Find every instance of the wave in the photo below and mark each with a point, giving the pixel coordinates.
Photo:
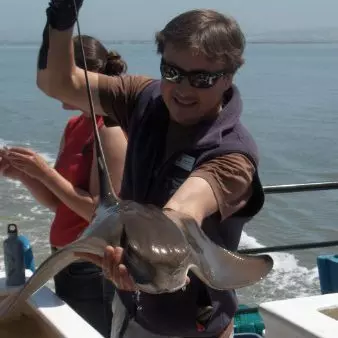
(48, 157)
(287, 279)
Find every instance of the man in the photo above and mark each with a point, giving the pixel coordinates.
(187, 152)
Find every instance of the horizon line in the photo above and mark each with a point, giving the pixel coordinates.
(140, 41)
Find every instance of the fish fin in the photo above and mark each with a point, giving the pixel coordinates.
(222, 269)
(227, 270)
(6, 305)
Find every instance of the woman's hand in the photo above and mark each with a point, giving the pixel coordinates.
(27, 161)
(7, 170)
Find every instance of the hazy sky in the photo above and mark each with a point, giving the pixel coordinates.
(139, 19)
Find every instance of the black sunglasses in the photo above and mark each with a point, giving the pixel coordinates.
(197, 78)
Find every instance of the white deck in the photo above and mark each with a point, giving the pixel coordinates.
(301, 317)
(308, 317)
(57, 314)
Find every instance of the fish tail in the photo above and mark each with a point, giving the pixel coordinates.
(9, 308)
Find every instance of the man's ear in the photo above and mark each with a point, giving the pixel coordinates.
(228, 81)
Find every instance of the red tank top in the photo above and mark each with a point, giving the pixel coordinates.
(74, 164)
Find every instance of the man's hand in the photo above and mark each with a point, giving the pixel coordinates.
(112, 267)
(62, 14)
(112, 262)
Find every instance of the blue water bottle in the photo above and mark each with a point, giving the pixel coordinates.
(28, 253)
(14, 257)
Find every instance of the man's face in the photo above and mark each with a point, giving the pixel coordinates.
(192, 86)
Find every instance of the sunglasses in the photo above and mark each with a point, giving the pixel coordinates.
(197, 79)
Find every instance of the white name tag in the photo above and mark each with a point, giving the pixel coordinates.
(186, 162)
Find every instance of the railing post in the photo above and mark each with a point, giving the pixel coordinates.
(328, 273)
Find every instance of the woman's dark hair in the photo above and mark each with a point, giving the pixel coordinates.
(98, 58)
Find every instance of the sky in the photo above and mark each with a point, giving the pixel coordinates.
(23, 20)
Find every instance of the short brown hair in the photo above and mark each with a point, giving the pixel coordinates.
(214, 35)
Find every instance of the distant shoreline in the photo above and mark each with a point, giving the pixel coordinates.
(142, 42)
(291, 42)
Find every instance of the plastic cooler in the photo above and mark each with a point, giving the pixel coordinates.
(248, 323)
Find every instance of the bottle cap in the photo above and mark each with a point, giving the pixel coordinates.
(12, 228)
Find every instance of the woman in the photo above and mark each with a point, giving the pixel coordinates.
(71, 189)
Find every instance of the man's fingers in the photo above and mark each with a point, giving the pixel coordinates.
(118, 253)
(109, 263)
(125, 280)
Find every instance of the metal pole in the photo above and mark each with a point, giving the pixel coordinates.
(300, 246)
(288, 188)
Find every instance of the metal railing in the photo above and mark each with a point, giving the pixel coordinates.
(291, 188)
(284, 189)
(288, 188)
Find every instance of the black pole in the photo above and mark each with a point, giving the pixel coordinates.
(300, 246)
(288, 188)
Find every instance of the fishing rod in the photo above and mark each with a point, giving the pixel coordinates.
(289, 188)
(105, 184)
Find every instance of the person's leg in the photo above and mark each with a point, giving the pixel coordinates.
(108, 295)
(82, 287)
(124, 328)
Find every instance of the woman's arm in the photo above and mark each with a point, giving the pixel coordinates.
(83, 203)
(36, 168)
(76, 199)
(39, 192)
(37, 189)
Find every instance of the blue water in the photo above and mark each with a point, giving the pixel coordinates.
(290, 95)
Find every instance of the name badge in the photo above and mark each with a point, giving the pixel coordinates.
(186, 162)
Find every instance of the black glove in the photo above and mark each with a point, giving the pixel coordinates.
(43, 52)
(62, 14)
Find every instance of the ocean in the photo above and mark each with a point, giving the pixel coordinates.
(290, 97)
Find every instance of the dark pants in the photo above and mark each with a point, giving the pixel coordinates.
(134, 330)
(82, 286)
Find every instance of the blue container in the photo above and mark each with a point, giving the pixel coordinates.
(328, 273)
(28, 253)
(14, 257)
(247, 335)
(250, 322)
